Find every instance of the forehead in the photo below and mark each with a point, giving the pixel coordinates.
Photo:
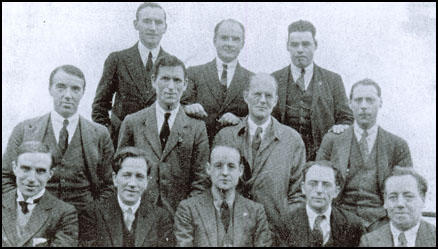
(230, 28)
(262, 85)
(320, 173)
(134, 165)
(65, 78)
(151, 13)
(176, 71)
(301, 36)
(365, 90)
(35, 160)
(401, 184)
(225, 154)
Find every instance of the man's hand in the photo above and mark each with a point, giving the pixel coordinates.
(195, 110)
(337, 129)
(228, 119)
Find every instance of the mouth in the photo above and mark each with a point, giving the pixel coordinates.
(30, 188)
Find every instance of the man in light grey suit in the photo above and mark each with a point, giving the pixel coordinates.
(405, 193)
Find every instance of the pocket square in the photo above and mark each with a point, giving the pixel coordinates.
(37, 241)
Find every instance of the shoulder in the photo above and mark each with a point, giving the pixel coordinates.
(378, 233)
(280, 72)
(198, 68)
(93, 125)
(250, 203)
(349, 219)
(31, 121)
(133, 117)
(428, 227)
(245, 71)
(392, 137)
(285, 131)
(58, 204)
(326, 74)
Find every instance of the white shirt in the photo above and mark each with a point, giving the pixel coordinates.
(159, 112)
(125, 207)
(231, 68)
(253, 128)
(144, 53)
(58, 121)
(325, 223)
(218, 199)
(371, 138)
(411, 234)
(296, 73)
(30, 200)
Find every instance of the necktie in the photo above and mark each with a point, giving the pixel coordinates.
(317, 231)
(165, 130)
(63, 137)
(300, 80)
(25, 205)
(364, 145)
(257, 139)
(225, 215)
(149, 63)
(129, 218)
(224, 75)
(402, 242)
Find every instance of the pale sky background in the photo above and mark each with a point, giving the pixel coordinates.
(391, 43)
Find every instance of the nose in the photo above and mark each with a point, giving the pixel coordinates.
(401, 202)
(68, 93)
(300, 48)
(132, 182)
(31, 177)
(171, 85)
(225, 170)
(263, 98)
(319, 188)
(152, 26)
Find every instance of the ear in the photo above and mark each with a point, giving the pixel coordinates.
(302, 188)
(51, 172)
(14, 167)
(208, 168)
(114, 178)
(337, 191)
(241, 170)
(135, 23)
(245, 96)
(380, 102)
(316, 44)
(154, 84)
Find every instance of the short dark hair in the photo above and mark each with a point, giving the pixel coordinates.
(404, 171)
(339, 180)
(35, 147)
(301, 26)
(216, 28)
(227, 145)
(366, 82)
(167, 61)
(130, 151)
(261, 76)
(150, 5)
(69, 69)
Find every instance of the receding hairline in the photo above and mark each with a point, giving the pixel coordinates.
(216, 147)
(262, 77)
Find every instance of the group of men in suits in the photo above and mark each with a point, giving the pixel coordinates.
(253, 189)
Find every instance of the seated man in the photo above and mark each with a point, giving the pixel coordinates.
(221, 216)
(32, 216)
(318, 223)
(404, 195)
(126, 219)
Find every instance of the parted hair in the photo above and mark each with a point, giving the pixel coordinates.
(301, 26)
(150, 5)
(167, 61)
(366, 82)
(34, 147)
(130, 151)
(404, 171)
(216, 28)
(69, 69)
(339, 180)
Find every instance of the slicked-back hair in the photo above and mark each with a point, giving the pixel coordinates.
(69, 69)
(150, 5)
(34, 147)
(404, 171)
(226, 145)
(168, 61)
(216, 28)
(261, 77)
(366, 82)
(132, 152)
(339, 180)
(301, 26)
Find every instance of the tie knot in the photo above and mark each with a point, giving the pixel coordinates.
(224, 205)
(319, 219)
(303, 71)
(365, 133)
(129, 211)
(402, 242)
(65, 123)
(225, 66)
(166, 116)
(259, 131)
(150, 56)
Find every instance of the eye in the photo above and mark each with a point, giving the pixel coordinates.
(236, 38)
(140, 176)
(293, 44)
(41, 171)
(25, 168)
(306, 44)
(158, 22)
(60, 86)
(231, 166)
(165, 78)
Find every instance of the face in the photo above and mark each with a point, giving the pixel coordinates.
(301, 47)
(131, 180)
(169, 85)
(320, 187)
(151, 25)
(224, 168)
(32, 171)
(365, 104)
(403, 201)
(261, 99)
(67, 91)
(228, 41)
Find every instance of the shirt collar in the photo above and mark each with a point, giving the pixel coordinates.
(230, 65)
(297, 71)
(410, 234)
(161, 111)
(358, 131)
(253, 126)
(144, 52)
(311, 214)
(30, 199)
(60, 119)
(125, 207)
(218, 198)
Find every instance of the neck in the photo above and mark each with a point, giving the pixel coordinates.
(168, 107)
(224, 193)
(259, 121)
(149, 46)
(319, 210)
(366, 126)
(65, 115)
(404, 228)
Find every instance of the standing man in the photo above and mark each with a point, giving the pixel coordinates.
(82, 150)
(405, 194)
(221, 216)
(274, 153)
(127, 73)
(318, 223)
(365, 154)
(215, 89)
(31, 216)
(176, 144)
(312, 100)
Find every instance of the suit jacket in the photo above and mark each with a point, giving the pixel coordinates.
(51, 219)
(153, 226)
(276, 175)
(195, 224)
(205, 88)
(178, 170)
(345, 229)
(329, 101)
(96, 146)
(382, 237)
(125, 76)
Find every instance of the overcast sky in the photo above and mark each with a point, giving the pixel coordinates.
(391, 43)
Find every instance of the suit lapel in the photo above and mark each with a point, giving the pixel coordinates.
(144, 224)
(113, 217)
(383, 168)
(137, 71)
(9, 217)
(266, 147)
(180, 127)
(89, 145)
(206, 210)
(37, 130)
(213, 82)
(337, 224)
(240, 214)
(343, 146)
(424, 236)
(236, 86)
(150, 131)
(317, 90)
(282, 91)
(300, 228)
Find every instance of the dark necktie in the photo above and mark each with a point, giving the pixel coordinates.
(165, 130)
(317, 231)
(256, 141)
(364, 145)
(402, 242)
(224, 81)
(300, 80)
(149, 63)
(25, 205)
(225, 215)
(63, 137)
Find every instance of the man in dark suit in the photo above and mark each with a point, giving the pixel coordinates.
(215, 89)
(273, 153)
(127, 73)
(176, 144)
(221, 216)
(318, 223)
(312, 100)
(365, 154)
(405, 194)
(127, 219)
(82, 149)
(31, 216)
